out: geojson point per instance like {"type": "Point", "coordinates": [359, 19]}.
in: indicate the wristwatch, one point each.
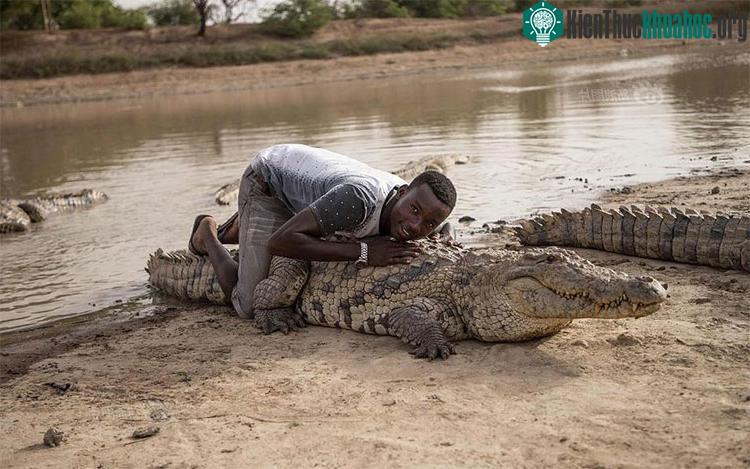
{"type": "Point", "coordinates": [362, 261]}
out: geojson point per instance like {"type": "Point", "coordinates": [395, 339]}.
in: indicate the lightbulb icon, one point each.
{"type": "Point", "coordinates": [543, 23]}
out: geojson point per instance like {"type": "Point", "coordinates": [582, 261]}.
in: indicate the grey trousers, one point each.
{"type": "Point", "coordinates": [260, 214]}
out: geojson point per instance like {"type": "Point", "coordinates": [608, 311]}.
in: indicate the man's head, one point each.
{"type": "Point", "coordinates": [422, 205]}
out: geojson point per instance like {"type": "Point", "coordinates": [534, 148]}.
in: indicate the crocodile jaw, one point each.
{"type": "Point", "coordinates": [532, 298]}
{"type": "Point", "coordinates": [561, 284]}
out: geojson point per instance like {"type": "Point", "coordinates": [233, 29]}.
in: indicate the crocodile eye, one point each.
{"type": "Point", "coordinates": [551, 258]}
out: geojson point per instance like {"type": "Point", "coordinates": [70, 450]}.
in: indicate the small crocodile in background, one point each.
{"type": "Point", "coordinates": [228, 193]}
{"type": "Point", "coordinates": [18, 214]}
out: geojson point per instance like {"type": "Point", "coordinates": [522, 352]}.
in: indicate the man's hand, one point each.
{"type": "Point", "coordinates": [299, 238]}
{"type": "Point", "coordinates": [383, 250]}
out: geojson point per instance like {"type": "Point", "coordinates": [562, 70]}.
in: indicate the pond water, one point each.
{"type": "Point", "coordinates": [539, 138]}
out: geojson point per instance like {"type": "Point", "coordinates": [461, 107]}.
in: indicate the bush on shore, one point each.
{"type": "Point", "coordinates": [69, 14]}
{"type": "Point", "coordinates": [425, 8]}
{"type": "Point", "coordinates": [226, 55]}
{"type": "Point", "coordinates": [296, 18]}
{"type": "Point", "coordinates": [174, 13]}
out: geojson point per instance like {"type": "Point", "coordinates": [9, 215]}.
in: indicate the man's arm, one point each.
{"type": "Point", "coordinates": [299, 238]}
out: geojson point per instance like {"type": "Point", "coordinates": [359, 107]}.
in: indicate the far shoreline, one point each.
{"type": "Point", "coordinates": [179, 82]}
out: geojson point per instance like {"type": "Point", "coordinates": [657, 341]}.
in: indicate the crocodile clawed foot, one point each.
{"type": "Point", "coordinates": [281, 319]}
{"type": "Point", "coordinates": [431, 351]}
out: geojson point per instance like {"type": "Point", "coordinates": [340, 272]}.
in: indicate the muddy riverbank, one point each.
{"type": "Point", "coordinates": [671, 389]}
{"type": "Point", "coordinates": [503, 54]}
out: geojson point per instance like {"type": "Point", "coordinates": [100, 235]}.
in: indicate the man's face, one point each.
{"type": "Point", "coordinates": [417, 213]}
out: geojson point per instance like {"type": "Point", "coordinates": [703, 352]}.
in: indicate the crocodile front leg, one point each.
{"type": "Point", "coordinates": [275, 296]}
{"type": "Point", "coordinates": [278, 319]}
{"type": "Point", "coordinates": [416, 324]}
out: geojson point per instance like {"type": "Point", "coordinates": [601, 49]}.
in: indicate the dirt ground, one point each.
{"type": "Point", "coordinates": [668, 390]}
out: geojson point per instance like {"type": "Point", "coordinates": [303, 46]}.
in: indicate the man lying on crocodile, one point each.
{"type": "Point", "coordinates": [293, 196]}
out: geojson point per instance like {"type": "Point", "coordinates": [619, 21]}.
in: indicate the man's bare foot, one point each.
{"type": "Point", "coordinates": [206, 229]}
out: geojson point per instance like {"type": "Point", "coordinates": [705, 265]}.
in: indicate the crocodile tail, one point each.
{"type": "Point", "coordinates": [671, 234]}
{"type": "Point", "coordinates": [185, 276]}
{"type": "Point", "coordinates": [69, 200]}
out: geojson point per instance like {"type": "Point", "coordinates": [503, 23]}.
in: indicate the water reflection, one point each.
{"type": "Point", "coordinates": [531, 133]}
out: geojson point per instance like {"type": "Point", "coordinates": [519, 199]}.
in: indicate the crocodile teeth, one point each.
{"type": "Point", "coordinates": [634, 306]}
{"type": "Point", "coordinates": [598, 309]}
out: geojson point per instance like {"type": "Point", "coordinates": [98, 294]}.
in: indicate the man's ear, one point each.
{"type": "Point", "coordinates": [402, 190]}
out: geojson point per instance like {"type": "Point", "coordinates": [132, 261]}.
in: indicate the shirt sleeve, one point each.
{"type": "Point", "coordinates": [343, 208]}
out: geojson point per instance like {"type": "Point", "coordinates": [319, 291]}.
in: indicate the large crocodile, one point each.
{"type": "Point", "coordinates": [447, 293]}
{"type": "Point", "coordinates": [228, 193]}
{"type": "Point", "coordinates": [18, 214]}
{"type": "Point", "coordinates": [717, 240]}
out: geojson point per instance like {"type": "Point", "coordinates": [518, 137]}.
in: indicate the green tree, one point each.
{"type": "Point", "coordinates": [297, 18]}
{"type": "Point", "coordinates": [119, 18]}
{"type": "Point", "coordinates": [426, 8]}
{"type": "Point", "coordinates": [20, 14]}
{"type": "Point", "coordinates": [68, 14]}
{"type": "Point", "coordinates": [205, 10]}
{"type": "Point", "coordinates": [380, 9]}
{"type": "Point", "coordinates": [174, 13]}
{"type": "Point", "coordinates": [435, 8]}
{"type": "Point", "coordinates": [80, 15]}
{"type": "Point", "coordinates": [487, 7]}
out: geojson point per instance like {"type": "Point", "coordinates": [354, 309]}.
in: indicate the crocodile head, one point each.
{"type": "Point", "coordinates": [553, 286]}
{"type": "Point", "coordinates": [554, 283]}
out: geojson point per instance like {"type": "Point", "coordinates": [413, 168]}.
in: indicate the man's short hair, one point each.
{"type": "Point", "coordinates": [441, 186]}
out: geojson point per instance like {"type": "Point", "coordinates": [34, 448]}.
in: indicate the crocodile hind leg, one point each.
{"type": "Point", "coordinates": [275, 295]}
{"type": "Point", "coordinates": [417, 325]}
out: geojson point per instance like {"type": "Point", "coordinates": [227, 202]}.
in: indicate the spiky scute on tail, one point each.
{"type": "Point", "coordinates": [185, 276]}
{"type": "Point", "coordinates": [670, 234]}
